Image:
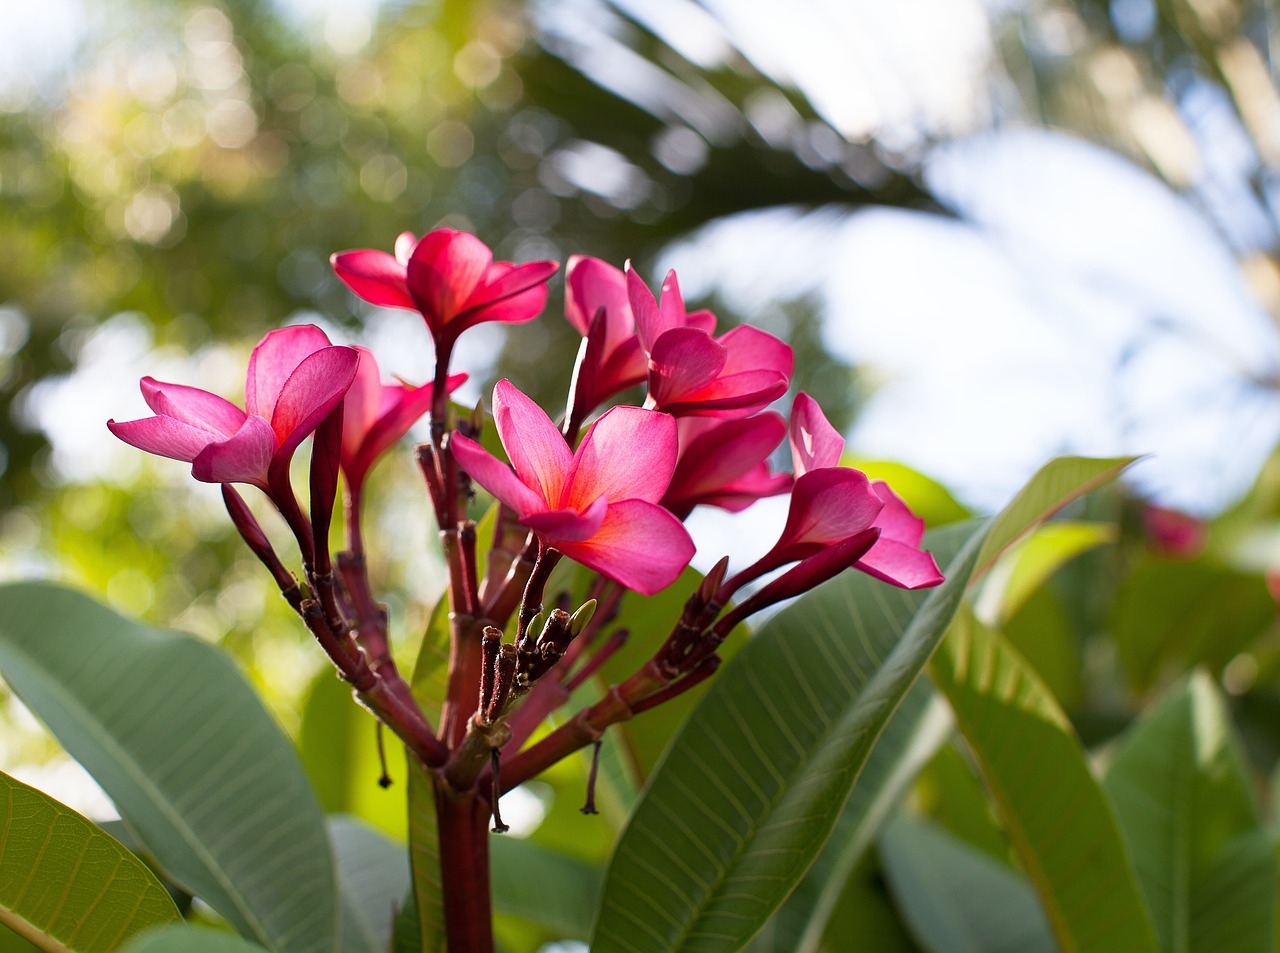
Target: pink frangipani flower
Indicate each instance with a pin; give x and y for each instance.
(599, 504)
(376, 415)
(691, 372)
(724, 463)
(610, 359)
(450, 277)
(296, 378)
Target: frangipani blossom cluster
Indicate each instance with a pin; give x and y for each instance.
(606, 487)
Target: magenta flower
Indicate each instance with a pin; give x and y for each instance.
(611, 359)
(376, 415)
(451, 278)
(724, 463)
(691, 372)
(599, 504)
(296, 378)
(830, 503)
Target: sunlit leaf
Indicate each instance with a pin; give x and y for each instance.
(177, 738)
(67, 885)
(1055, 812)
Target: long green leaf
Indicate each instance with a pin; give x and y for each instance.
(751, 788)
(195, 764)
(65, 884)
(1055, 485)
(373, 875)
(1057, 816)
(1183, 798)
(957, 899)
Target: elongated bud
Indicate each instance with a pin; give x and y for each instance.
(250, 531)
(580, 619)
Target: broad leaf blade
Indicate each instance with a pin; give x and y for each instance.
(957, 899)
(750, 789)
(65, 883)
(1183, 799)
(373, 875)
(1055, 485)
(1055, 812)
(195, 764)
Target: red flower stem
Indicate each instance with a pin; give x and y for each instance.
(464, 869)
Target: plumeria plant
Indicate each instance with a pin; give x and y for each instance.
(731, 819)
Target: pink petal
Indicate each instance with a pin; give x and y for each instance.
(362, 404)
(244, 458)
(495, 476)
(192, 406)
(829, 505)
(537, 450)
(681, 362)
(401, 409)
(644, 309)
(165, 437)
(714, 453)
(896, 521)
(640, 545)
(277, 356)
(628, 454)
(814, 442)
(557, 527)
(592, 284)
(446, 268)
(900, 564)
(374, 276)
(504, 280)
(750, 349)
(311, 393)
(405, 243)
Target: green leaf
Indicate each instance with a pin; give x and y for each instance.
(956, 899)
(177, 738)
(1030, 563)
(185, 939)
(751, 788)
(1055, 485)
(543, 886)
(920, 725)
(65, 884)
(373, 875)
(1055, 812)
(1182, 795)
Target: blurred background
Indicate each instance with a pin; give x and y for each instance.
(993, 230)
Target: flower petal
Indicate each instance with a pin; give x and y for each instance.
(682, 361)
(374, 276)
(244, 458)
(311, 393)
(495, 476)
(536, 448)
(902, 565)
(814, 442)
(193, 406)
(628, 454)
(277, 356)
(567, 526)
(164, 436)
(639, 545)
(829, 505)
(444, 271)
